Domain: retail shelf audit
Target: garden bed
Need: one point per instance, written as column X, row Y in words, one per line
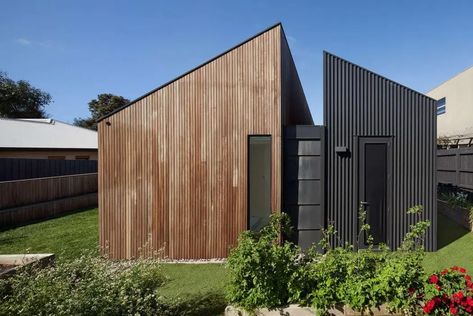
column 9, row 264
column 458, row 214
column 296, row 310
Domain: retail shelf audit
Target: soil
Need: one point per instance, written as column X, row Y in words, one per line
column 5, row 267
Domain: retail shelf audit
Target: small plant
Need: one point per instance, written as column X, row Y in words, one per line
column 456, row 198
column 448, row 292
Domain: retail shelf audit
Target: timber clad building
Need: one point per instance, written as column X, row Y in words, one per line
column 193, row 163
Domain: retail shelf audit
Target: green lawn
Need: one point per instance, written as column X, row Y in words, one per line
column 70, row 235
column 455, row 245
column 66, row 236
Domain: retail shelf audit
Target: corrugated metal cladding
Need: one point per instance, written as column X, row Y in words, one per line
column 357, row 103
column 304, row 187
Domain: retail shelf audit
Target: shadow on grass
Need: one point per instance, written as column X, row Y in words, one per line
column 448, row 231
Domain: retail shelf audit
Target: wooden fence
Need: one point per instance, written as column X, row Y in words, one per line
column 19, row 168
column 23, row 201
column 455, row 167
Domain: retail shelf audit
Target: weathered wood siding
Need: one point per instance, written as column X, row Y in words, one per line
column 173, row 165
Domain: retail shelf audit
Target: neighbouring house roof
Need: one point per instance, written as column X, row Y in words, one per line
column 45, row 133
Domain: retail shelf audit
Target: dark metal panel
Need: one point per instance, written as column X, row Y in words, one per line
column 304, row 189
column 305, row 238
column 360, row 103
column 310, row 217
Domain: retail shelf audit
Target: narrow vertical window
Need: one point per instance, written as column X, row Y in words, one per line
column 259, row 186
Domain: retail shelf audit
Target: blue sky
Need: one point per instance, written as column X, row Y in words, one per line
column 77, row 49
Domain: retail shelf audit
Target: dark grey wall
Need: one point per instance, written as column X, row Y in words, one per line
column 20, row 168
column 304, row 194
column 358, row 102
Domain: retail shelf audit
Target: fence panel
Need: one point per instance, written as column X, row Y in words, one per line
column 455, row 167
column 23, row 201
column 20, row 168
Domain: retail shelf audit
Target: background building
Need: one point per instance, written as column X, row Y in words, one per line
column 46, row 139
column 455, row 108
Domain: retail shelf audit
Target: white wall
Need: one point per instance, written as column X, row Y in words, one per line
column 457, row 121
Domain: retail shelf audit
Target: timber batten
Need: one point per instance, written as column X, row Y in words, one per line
column 173, row 166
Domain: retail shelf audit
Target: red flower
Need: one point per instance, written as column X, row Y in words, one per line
column 469, row 301
column 455, row 268
column 444, row 271
column 462, row 270
column 467, row 277
column 433, row 279
column 438, row 287
column 453, row 310
column 429, row 306
column 458, row 296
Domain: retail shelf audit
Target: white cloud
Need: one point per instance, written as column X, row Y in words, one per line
column 23, row 41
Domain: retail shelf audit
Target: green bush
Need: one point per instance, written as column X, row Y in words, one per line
column 84, row 286
column 260, row 268
column 265, row 273
column 94, row 286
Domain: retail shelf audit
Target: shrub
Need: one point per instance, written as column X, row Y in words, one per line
column 260, row 268
column 265, row 273
column 448, row 292
column 84, row 286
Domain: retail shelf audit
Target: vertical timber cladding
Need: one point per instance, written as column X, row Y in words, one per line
column 173, row 164
column 304, row 182
column 359, row 103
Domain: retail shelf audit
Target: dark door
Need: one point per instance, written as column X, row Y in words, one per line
column 374, row 185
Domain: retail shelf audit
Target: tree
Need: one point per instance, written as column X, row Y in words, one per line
column 103, row 105
column 21, row 100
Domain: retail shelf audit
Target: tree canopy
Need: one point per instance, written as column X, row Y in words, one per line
column 103, row 105
column 19, row 99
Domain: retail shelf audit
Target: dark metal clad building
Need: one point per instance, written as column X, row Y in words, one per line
column 381, row 147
